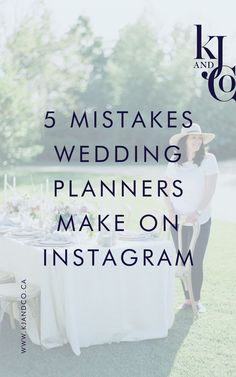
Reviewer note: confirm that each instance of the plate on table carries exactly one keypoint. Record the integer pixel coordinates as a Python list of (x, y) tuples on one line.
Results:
[(5, 229), (134, 236), (52, 243), (24, 233)]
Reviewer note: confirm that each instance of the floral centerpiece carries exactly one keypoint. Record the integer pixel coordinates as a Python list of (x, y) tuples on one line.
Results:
[(66, 209)]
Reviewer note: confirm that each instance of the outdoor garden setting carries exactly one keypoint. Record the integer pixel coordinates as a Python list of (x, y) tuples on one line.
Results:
[(86, 130)]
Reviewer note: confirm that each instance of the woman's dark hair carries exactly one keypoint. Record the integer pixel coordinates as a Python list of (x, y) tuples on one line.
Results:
[(199, 156)]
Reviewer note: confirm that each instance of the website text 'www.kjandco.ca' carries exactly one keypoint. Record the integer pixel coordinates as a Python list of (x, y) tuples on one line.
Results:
[(23, 316)]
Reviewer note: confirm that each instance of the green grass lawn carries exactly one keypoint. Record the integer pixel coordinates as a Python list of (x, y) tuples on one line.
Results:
[(203, 348), (209, 349)]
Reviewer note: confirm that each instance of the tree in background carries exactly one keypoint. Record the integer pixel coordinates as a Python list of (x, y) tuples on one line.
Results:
[(23, 89), (79, 78), (41, 73), (134, 68)]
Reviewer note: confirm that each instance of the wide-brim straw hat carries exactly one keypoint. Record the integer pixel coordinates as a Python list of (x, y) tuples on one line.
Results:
[(195, 129)]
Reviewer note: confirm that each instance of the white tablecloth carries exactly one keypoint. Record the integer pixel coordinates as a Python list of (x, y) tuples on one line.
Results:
[(95, 305)]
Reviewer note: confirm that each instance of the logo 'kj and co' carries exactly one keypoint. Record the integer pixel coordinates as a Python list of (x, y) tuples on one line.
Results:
[(221, 77)]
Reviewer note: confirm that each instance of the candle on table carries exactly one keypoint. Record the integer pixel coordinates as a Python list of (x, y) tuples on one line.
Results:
[(47, 186), (5, 183)]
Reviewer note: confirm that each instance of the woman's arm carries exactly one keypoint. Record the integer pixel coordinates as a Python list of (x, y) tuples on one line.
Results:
[(210, 186), (167, 200)]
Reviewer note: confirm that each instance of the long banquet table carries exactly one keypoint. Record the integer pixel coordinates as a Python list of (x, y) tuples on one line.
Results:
[(90, 305)]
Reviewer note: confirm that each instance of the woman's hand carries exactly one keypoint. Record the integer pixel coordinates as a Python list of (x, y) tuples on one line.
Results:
[(192, 218)]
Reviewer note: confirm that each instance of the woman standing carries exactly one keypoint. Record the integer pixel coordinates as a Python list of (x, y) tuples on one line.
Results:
[(198, 171)]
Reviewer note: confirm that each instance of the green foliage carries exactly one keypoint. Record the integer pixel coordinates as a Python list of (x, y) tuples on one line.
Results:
[(80, 62), (23, 93), (134, 68)]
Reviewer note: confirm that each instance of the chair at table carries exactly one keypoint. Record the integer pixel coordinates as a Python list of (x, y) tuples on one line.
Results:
[(6, 277), (185, 272), (11, 296)]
